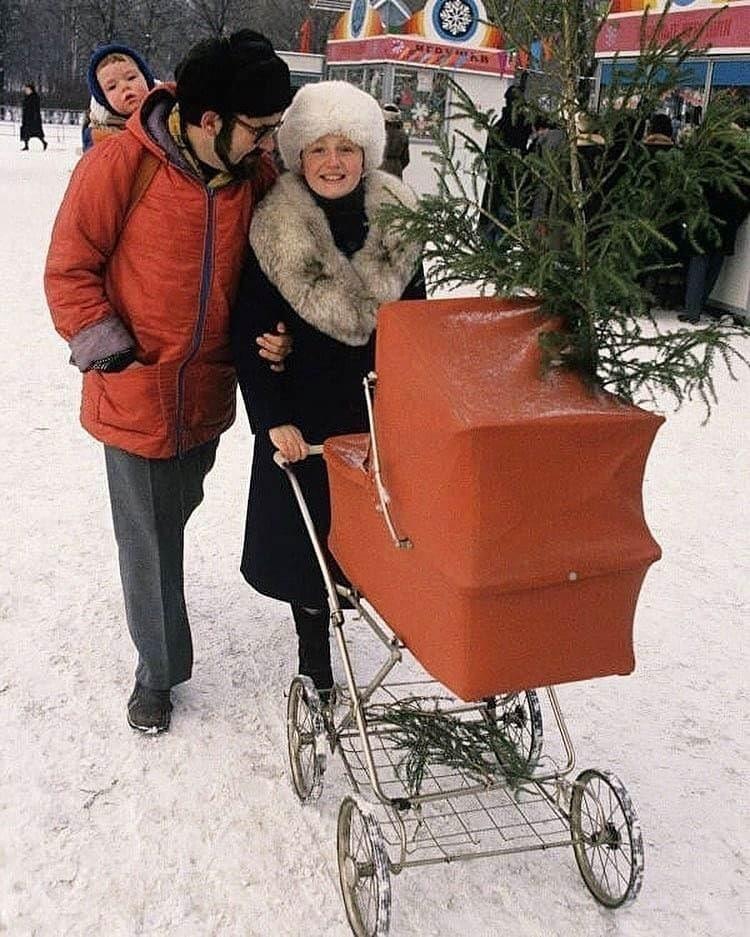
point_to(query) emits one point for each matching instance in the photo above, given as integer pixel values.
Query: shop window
(421, 94)
(684, 103)
(733, 77)
(369, 78)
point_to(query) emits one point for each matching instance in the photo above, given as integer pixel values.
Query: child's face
(123, 85)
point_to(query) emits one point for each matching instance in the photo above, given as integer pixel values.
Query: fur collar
(295, 249)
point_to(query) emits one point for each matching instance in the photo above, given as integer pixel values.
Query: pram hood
(506, 477)
(520, 494)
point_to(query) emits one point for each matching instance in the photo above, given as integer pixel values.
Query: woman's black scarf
(346, 218)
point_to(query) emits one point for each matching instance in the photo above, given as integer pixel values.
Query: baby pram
(490, 525)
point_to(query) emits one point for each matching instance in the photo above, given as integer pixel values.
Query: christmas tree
(587, 220)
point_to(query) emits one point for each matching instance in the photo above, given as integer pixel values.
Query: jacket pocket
(211, 394)
(131, 400)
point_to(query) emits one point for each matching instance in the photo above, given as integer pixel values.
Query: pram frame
(552, 788)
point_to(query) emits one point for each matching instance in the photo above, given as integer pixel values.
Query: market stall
(406, 52)
(724, 64)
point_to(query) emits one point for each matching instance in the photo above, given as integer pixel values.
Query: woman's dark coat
(320, 391)
(31, 117)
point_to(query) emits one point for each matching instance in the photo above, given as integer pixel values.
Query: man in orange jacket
(142, 268)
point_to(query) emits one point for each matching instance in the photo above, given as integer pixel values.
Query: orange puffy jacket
(158, 275)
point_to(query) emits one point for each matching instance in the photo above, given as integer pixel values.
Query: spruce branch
(480, 749)
(605, 228)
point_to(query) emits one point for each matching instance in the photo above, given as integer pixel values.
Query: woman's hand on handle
(290, 442)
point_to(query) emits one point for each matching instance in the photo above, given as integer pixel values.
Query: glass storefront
(370, 78)
(733, 76)
(421, 93)
(700, 81)
(683, 104)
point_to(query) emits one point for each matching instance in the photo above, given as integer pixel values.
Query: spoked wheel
(519, 715)
(306, 737)
(606, 838)
(363, 871)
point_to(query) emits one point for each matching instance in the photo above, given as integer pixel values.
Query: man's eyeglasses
(261, 131)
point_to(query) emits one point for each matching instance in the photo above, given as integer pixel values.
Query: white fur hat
(336, 107)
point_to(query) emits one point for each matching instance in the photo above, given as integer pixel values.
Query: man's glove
(116, 362)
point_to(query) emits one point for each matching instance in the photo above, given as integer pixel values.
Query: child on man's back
(118, 79)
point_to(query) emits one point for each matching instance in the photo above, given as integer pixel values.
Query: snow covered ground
(198, 833)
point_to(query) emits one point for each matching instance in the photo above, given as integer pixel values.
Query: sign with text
(724, 28)
(414, 51)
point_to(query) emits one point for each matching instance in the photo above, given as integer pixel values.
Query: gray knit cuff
(100, 340)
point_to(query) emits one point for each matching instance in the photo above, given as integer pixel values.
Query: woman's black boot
(314, 646)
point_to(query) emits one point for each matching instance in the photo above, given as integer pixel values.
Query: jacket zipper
(207, 271)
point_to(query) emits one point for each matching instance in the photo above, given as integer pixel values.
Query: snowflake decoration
(456, 17)
(420, 112)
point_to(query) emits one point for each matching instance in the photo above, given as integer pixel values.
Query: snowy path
(198, 833)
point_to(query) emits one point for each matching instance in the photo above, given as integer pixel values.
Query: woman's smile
(332, 166)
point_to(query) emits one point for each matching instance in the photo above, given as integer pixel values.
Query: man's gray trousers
(151, 501)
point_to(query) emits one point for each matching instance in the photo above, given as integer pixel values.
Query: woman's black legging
(314, 644)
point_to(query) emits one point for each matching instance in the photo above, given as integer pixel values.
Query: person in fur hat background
(322, 262)
(396, 154)
(118, 79)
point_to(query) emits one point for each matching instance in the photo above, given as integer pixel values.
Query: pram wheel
(363, 871)
(606, 838)
(519, 715)
(306, 738)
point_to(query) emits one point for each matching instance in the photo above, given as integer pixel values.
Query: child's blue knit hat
(101, 53)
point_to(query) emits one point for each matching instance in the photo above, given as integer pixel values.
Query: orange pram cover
(520, 493)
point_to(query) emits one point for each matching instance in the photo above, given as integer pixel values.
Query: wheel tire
(520, 716)
(607, 839)
(363, 871)
(306, 738)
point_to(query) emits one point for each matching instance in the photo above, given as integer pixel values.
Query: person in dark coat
(396, 155)
(660, 135)
(702, 269)
(509, 135)
(664, 282)
(323, 263)
(31, 117)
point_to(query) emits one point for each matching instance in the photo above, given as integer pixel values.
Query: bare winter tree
(219, 17)
(105, 16)
(50, 41)
(158, 30)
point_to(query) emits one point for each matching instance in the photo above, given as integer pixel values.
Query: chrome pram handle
(402, 543)
(288, 467)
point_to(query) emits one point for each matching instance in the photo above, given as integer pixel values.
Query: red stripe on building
(728, 29)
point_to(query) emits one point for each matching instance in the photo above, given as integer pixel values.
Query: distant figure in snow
(31, 117)
(118, 79)
(728, 209)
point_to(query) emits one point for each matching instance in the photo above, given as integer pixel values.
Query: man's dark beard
(248, 167)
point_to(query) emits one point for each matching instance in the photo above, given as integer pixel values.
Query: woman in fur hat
(322, 263)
